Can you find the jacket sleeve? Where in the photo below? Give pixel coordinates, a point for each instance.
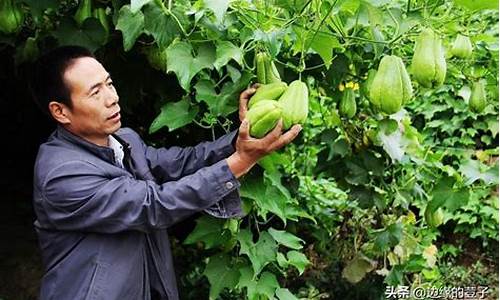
(175, 162)
(78, 195)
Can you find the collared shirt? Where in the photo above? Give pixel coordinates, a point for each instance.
(117, 150)
(102, 228)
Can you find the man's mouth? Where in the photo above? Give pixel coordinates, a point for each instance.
(115, 115)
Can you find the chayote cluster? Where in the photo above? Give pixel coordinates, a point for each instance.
(275, 101)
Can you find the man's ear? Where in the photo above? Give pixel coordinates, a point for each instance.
(59, 112)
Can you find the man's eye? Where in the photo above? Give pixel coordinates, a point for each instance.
(110, 83)
(95, 93)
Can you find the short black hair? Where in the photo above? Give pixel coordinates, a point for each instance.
(47, 80)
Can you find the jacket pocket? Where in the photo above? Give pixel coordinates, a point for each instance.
(96, 281)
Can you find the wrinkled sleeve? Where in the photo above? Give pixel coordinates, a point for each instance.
(78, 195)
(175, 162)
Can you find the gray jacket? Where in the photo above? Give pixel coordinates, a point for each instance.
(102, 228)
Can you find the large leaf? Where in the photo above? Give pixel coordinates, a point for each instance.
(228, 100)
(286, 239)
(91, 35)
(136, 5)
(225, 52)
(260, 253)
(389, 237)
(131, 25)
(266, 285)
(210, 231)
(219, 7)
(298, 260)
(473, 170)
(220, 274)
(174, 115)
(445, 195)
(161, 26)
(322, 42)
(181, 61)
(37, 7)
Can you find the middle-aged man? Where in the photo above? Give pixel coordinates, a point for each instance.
(103, 198)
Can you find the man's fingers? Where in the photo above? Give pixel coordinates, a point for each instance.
(243, 132)
(245, 95)
(287, 137)
(243, 107)
(256, 85)
(272, 136)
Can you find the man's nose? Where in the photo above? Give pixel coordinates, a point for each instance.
(111, 96)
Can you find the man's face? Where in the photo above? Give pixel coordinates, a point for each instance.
(95, 112)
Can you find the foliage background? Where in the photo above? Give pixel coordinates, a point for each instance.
(337, 214)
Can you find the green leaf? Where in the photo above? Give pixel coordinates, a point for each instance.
(136, 5)
(389, 237)
(210, 231)
(91, 35)
(220, 274)
(281, 259)
(219, 7)
(38, 7)
(205, 92)
(260, 253)
(473, 170)
(298, 260)
(444, 195)
(181, 61)
(267, 285)
(131, 25)
(174, 115)
(357, 268)
(161, 26)
(228, 101)
(274, 178)
(477, 4)
(320, 42)
(225, 52)
(285, 238)
(272, 161)
(285, 294)
(247, 280)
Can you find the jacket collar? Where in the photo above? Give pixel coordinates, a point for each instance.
(102, 152)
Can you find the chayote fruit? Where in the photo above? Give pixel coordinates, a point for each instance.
(462, 47)
(270, 91)
(11, 16)
(263, 117)
(83, 12)
(391, 86)
(348, 103)
(434, 218)
(428, 63)
(477, 101)
(295, 104)
(260, 65)
(266, 69)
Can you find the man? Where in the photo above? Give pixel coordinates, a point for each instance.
(104, 199)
